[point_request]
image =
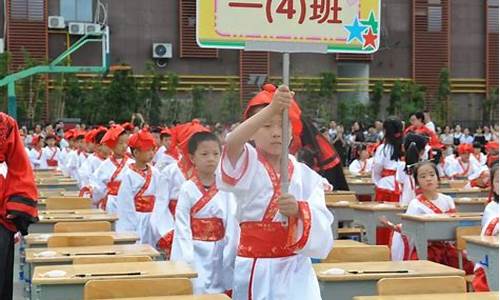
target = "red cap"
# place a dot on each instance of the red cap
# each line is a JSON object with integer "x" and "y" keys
{"x": 465, "y": 148}
{"x": 492, "y": 146}
{"x": 111, "y": 137}
{"x": 265, "y": 97}
{"x": 51, "y": 136}
{"x": 142, "y": 140}
{"x": 128, "y": 126}
{"x": 69, "y": 134}
{"x": 89, "y": 136}
{"x": 36, "y": 139}
{"x": 185, "y": 131}
{"x": 166, "y": 131}
{"x": 79, "y": 133}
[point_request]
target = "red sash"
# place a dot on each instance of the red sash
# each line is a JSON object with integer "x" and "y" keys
{"x": 51, "y": 162}
{"x": 205, "y": 229}
{"x": 431, "y": 205}
{"x": 491, "y": 227}
{"x": 387, "y": 195}
{"x": 465, "y": 171}
{"x": 273, "y": 239}
{"x": 113, "y": 184}
{"x": 144, "y": 203}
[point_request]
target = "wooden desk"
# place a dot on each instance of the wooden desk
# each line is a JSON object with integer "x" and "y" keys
{"x": 346, "y": 286}
{"x": 47, "y": 222}
{"x": 342, "y": 212}
{"x": 348, "y": 243}
{"x": 460, "y": 193}
{"x": 72, "y": 283}
{"x": 67, "y": 186}
{"x": 458, "y": 296}
{"x": 472, "y": 205}
{"x": 90, "y": 211}
{"x": 424, "y": 228}
{"x": 484, "y": 249}
{"x": 361, "y": 186}
{"x": 183, "y": 297}
{"x": 368, "y": 214}
{"x": 39, "y": 240}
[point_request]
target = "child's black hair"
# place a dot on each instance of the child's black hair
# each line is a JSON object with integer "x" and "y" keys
{"x": 199, "y": 137}
{"x": 99, "y": 136}
{"x": 394, "y": 136}
{"x": 420, "y": 165}
{"x": 413, "y": 144}
{"x": 419, "y": 115}
{"x": 477, "y": 145}
{"x": 164, "y": 135}
{"x": 306, "y": 155}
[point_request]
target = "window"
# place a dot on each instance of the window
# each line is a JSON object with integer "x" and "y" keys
{"x": 76, "y": 10}
{"x": 30, "y": 10}
{"x": 434, "y": 16}
{"x": 493, "y": 16}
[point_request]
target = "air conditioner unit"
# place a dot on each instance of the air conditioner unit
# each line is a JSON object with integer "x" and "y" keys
{"x": 56, "y": 22}
{"x": 2, "y": 46}
{"x": 76, "y": 28}
{"x": 162, "y": 50}
{"x": 93, "y": 29}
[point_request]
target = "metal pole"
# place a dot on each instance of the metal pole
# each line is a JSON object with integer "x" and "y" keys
{"x": 285, "y": 129}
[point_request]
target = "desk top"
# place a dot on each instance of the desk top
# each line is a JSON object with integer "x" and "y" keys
{"x": 481, "y": 200}
{"x": 462, "y": 190}
{"x": 360, "y": 180}
{"x": 341, "y": 204}
{"x": 443, "y": 217}
{"x": 80, "y": 274}
{"x": 60, "y": 184}
{"x": 488, "y": 241}
{"x": 90, "y": 211}
{"x": 348, "y": 243}
{"x": 414, "y": 268}
{"x": 42, "y": 238}
{"x": 376, "y": 206}
{"x": 54, "y": 218}
{"x": 461, "y": 296}
{"x": 66, "y": 254}
{"x": 180, "y": 297}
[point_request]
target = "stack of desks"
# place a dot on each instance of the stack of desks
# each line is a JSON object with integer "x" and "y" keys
{"x": 424, "y": 228}
{"x": 458, "y": 296}
{"x": 485, "y": 249}
{"x": 72, "y": 278}
{"x": 346, "y": 286}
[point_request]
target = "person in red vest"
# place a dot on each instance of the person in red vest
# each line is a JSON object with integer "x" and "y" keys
{"x": 18, "y": 194}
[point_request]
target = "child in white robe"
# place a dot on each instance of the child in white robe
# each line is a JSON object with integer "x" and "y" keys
{"x": 462, "y": 166}
{"x": 489, "y": 225}
{"x": 139, "y": 190}
{"x": 50, "y": 154}
{"x": 363, "y": 165}
{"x": 279, "y": 233}
{"x": 106, "y": 180}
{"x": 205, "y": 229}
{"x": 167, "y": 154}
{"x": 93, "y": 161}
{"x": 35, "y": 154}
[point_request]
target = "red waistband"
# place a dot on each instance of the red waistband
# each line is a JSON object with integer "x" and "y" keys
{"x": 113, "y": 187}
{"x": 144, "y": 203}
{"x": 207, "y": 229}
{"x": 263, "y": 240}
{"x": 388, "y": 172}
{"x": 386, "y": 195}
{"x": 52, "y": 162}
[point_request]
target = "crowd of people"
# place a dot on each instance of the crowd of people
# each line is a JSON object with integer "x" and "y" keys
{"x": 213, "y": 197}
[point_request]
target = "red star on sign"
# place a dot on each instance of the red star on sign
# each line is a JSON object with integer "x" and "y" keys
{"x": 370, "y": 39}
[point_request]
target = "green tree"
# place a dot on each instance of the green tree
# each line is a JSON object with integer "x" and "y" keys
{"x": 31, "y": 91}
{"x": 413, "y": 96}
{"x": 395, "y": 98}
{"x": 121, "y": 97}
{"x": 151, "y": 95}
{"x": 376, "y": 99}
{"x": 94, "y": 98}
{"x": 173, "y": 104}
{"x": 231, "y": 109}
{"x": 73, "y": 97}
{"x": 490, "y": 105}
{"x": 443, "y": 97}
{"x": 4, "y": 71}
{"x": 198, "y": 102}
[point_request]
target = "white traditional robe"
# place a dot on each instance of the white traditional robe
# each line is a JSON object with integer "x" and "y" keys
{"x": 63, "y": 157}
{"x": 286, "y": 277}
{"x": 164, "y": 159}
{"x": 50, "y": 153}
{"x": 489, "y": 227}
{"x": 135, "y": 185}
{"x": 157, "y": 155}
{"x": 417, "y": 207}
{"x": 479, "y": 160}
{"x": 36, "y": 159}
{"x": 213, "y": 259}
{"x": 73, "y": 164}
{"x": 454, "y": 167}
{"x": 172, "y": 178}
{"x": 89, "y": 166}
{"x": 382, "y": 162}
{"x": 357, "y": 167}
{"x": 110, "y": 170}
